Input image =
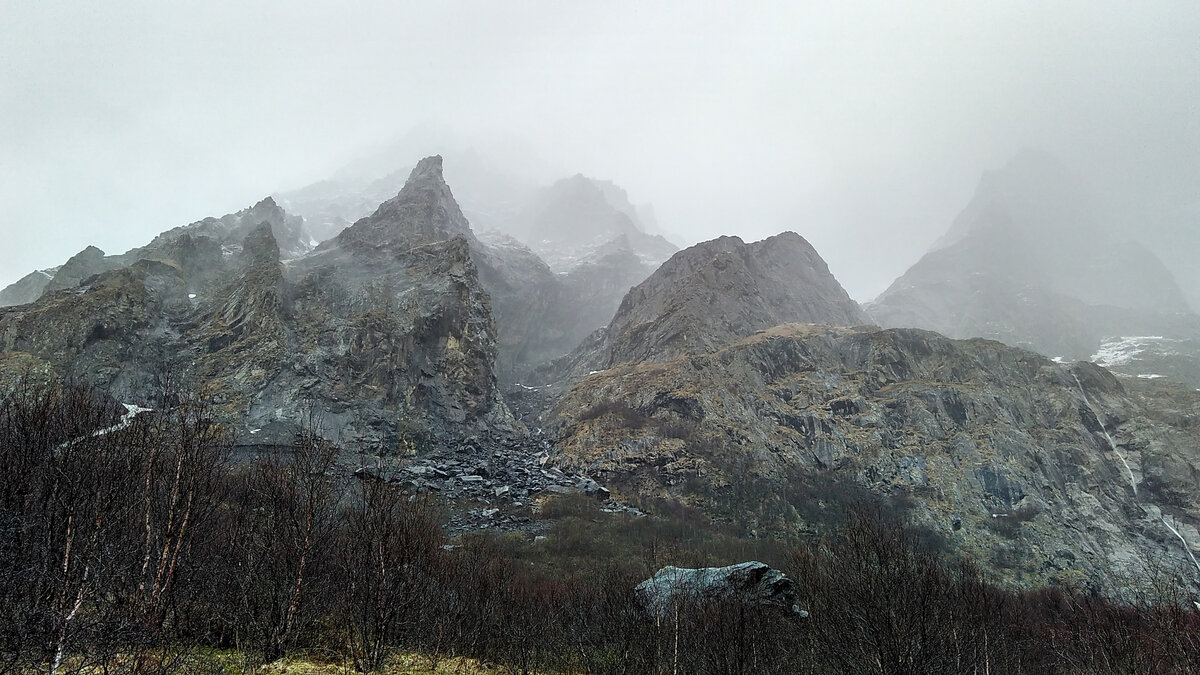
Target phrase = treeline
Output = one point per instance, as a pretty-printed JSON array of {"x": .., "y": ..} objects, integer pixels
[{"x": 147, "y": 548}]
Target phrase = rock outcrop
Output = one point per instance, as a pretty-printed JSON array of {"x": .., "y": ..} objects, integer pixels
[
  {"x": 1003, "y": 452},
  {"x": 753, "y": 583},
  {"x": 88, "y": 262},
  {"x": 724, "y": 289},
  {"x": 231, "y": 229},
  {"x": 26, "y": 289}
]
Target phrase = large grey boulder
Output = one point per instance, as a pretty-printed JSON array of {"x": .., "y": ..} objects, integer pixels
[{"x": 751, "y": 582}]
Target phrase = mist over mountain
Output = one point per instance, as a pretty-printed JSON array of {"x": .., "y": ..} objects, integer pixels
[
  {"x": 1034, "y": 261},
  {"x": 900, "y": 301}
]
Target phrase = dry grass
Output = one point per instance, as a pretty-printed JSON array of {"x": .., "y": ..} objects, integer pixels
[
  {"x": 233, "y": 663},
  {"x": 402, "y": 664}
]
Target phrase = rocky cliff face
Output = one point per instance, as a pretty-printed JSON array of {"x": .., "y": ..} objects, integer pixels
[
  {"x": 424, "y": 211},
  {"x": 385, "y": 332},
  {"x": 78, "y": 267},
  {"x": 1032, "y": 263},
  {"x": 724, "y": 289},
  {"x": 114, "y": 330},
  {"x": 539, "y": 315},
  {"x": 587, "y": 246},
  {"x": 1046, "y": 473}
]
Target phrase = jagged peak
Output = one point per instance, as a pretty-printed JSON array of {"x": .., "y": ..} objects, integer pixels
[
  {"x": 260, "y": 246},
  {"x": 424, "y": 211},
  {"x": 89, "y": 252},
  {"x": 265, "y": 209},
  {"x": 428, "y": 169}
]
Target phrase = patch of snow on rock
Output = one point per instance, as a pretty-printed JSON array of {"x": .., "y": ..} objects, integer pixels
[{"x": 1119, "y": 351}]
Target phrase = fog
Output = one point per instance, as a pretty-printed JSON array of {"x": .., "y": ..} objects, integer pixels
[{"x": 864, "y": 126}]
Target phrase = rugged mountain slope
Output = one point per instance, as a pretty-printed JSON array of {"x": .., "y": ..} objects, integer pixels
[
  {"x": 26, "y": 289},
  {"x": 519, "y": 284},
  {"x": 1003, "y": 452},
  {"x": 78, "y": 267},
  {"x": 1032, "y": 262},
  {"x": 724, "y": 289},
  {"x": 385, "y": 332},
  {"x": 588, "y": 231},
  {"x": 231, "y": 229},
  {"x": 539, "y": 314},
  {"x": 200, "y": 246}
]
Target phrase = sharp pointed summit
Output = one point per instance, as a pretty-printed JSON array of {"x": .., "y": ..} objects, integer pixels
[{"x": 424, "y": 211}]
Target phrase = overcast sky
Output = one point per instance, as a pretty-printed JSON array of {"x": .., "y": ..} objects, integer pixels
[{"x": 862, "y": 126}]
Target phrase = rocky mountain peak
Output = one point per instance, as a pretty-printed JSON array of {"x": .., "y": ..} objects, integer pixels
[
  {"x": 424, "y": 211},
  {"x": 723, "y": 289},
  {"x": 78, "y": 267},
  {"x": 575, "y": 210},
  {"x": 260, "y": 247},
  {"x": 265, "y": 209},
  {"x": 1038, "y": 196},
  {"x": 1033, "y": 261}
]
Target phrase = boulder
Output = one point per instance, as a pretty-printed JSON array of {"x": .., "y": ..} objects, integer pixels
[{"x": 753, "y": 583}]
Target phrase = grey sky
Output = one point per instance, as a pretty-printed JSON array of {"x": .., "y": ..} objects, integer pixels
[{"x": 863, "y": 126}]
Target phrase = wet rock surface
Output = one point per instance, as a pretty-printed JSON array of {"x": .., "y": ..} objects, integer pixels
[
  {"x": 752, "y": 583},
  {"x": 1045, "y": 472}
]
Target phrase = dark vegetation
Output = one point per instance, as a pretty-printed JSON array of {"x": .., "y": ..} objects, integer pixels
[{"x": 146, "y": 548}]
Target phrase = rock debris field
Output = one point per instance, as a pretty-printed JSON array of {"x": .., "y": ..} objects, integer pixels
[{"x": 498, "y": 490}]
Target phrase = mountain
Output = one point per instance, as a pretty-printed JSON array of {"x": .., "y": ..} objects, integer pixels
[
  {"x": 1033, "y": 263},
  {"x": 1046, "y": 473},
  {"x": 724, "y": 289},
  {"x": 737, "y": 381},
  {"x": 578, "y": 218},
  {"x": 570, "y": 222},
  {"x": 198, "y": 245},
  {"x": 384, "y": 332},
  {"x": 595, "y": 249},
  {"x": 28, "y": 288},
  {"x": 489, "y": 196}
]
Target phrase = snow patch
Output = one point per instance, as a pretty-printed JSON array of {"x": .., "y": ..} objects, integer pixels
[
  {"x": 131, "y": 411},
  {"x": 191, "y": 296},
  {"x": 1150, "y": 376},
  {"x": 1122, "y": 350}
]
